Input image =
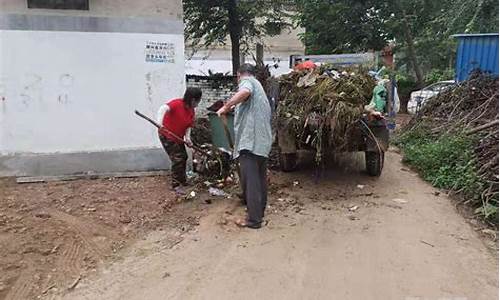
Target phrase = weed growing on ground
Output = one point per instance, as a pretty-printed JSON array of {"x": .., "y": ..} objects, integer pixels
[{"x": 448, "y": 162}]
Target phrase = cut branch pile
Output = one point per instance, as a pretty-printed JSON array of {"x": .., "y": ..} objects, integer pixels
[
  {"x": 470, "y": 109},
  {"x": 200, "y": 134},
  {"x": 320, "y": 106}
]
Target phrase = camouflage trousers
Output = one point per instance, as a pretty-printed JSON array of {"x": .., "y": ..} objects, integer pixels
[{"x": 178, "y": 156}]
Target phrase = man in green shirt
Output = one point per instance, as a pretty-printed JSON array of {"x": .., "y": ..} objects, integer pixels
[{"x": 253, "y": 139}]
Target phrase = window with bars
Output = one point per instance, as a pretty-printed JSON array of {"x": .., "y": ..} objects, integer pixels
[{"x": 59, "y": 4}]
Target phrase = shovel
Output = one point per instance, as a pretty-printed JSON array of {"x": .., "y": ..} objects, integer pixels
[{"x": 193, "y": 146}]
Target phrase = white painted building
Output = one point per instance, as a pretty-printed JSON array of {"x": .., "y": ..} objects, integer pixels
[
  {"x": 277, "y": 51},
  {"x": 70, "y": 80}
]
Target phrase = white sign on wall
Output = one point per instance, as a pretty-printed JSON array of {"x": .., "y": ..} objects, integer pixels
[{"x": 160, "y": 52}]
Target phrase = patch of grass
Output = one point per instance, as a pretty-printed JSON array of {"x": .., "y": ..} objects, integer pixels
[{"x": 448, "y": 162}]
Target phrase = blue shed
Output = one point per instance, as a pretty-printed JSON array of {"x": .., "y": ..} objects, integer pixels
[{"x": 476, "y": 51}]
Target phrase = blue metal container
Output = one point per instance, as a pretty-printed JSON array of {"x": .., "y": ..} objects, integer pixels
[{"x": 476, "y": 51}]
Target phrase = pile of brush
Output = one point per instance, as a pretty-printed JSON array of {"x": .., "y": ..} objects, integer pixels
[
  {"x": 470, "y": 109},
  {"x": 200, "y": 134},
  {"x": 327, "y": 101},
  {"x": 215, "y": 163}
]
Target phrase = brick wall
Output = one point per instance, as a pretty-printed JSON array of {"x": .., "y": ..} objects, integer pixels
[{"x": 213, "y": 87}]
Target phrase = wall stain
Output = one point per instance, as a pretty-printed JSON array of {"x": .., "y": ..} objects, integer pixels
[
  {"x": 65, "y": 83},
  {"x": 31, "y": 90}
]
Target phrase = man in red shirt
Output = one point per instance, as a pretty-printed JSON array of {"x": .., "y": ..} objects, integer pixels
[{"x": 177, "y": 116}]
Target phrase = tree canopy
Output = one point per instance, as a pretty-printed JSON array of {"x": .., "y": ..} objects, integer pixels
[
  {"x": 210, "y": 22},
  {"x": 421, "y": 29}
]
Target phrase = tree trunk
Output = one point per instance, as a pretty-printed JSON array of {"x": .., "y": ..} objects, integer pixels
[
  {"x": 234, "y": 34},
  {"x": 259, "y": 54},
  {"x": 411, "y": 50}
]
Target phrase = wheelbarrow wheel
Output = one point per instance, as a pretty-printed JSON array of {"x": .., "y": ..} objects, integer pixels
[
  {"x": 374, "y": 162},
  {"x": 288, "y": 161}
]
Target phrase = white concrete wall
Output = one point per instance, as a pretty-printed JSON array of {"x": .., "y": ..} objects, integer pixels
[{"x": 77, "y": 91}]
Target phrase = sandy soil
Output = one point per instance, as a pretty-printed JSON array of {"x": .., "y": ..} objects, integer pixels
[{"x": 52, "y": 234}]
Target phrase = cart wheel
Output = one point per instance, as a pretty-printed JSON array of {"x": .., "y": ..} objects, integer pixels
[
  {"x": 374, "y": 163},
  {"x": 288, "y": 161}
]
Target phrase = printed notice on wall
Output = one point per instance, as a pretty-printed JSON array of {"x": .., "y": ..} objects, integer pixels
[{"x": 160, "y": 52}]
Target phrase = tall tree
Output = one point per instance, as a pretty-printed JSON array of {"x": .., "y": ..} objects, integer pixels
[
  {"x": 340, "y": 26},
  {"x": 210, "y": 22},
  {"x": 431, "y": 25}
]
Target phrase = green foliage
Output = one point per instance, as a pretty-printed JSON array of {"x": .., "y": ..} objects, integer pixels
[
  {"x": 337, "y": 26},
  {"x": 436, "y": 75},
  {"x": 340, "y": 26},
  {"x": 448, "y": 162},
  {"x": 470, "y": 16},
  {"x": 210, "y": 22},
  {"x": 432, "y": 24}
]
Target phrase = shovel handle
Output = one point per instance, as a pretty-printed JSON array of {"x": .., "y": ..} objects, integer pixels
[{"x": 194, "y": 147}]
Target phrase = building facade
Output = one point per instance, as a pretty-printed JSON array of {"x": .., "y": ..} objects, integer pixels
[
  {"x": 277, "y": 52},
  {"x": 71, "y": 75}
]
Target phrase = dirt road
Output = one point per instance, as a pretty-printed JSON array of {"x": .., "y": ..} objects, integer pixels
[{"x": 350, "y": 237}]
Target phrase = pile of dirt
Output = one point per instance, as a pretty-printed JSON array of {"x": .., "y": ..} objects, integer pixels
[
  {"x": 331, "y": 101},
  {"x": 53, "y": 233},
  {"x": 469, "y": 109}
]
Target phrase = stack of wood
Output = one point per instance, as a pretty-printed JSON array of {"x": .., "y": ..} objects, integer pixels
[{"x": 471, "y": 109}]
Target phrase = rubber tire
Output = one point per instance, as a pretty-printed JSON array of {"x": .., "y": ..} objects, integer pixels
[
  {"x": 374, "y": 163},
  {"x": 288, "y": 162}
]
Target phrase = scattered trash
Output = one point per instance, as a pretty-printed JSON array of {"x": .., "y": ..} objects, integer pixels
[
  {"x": 490, "y": 232},
  {"x": 207, "y": 183},
  {"x": 353, "y": 208},
  {"x": 192, "y": 194},
  {"x": 125, "y": 219},
  {"x": 42, "y": 215},
  {"x": 398, "y": 200},
  {"x": 45, "y": 291},
  {"x": 363, "y": 195},
  {"x": 360, "y": 186},
  {"x": 75, "y": 283},
  {"x": 179, "y": 191},
  {"x": 424, "y": 242},
  {"x": 217, "y": 192},
  {"x": 54, "y": 250},
  {"x": 223, "y": 221},
  {"x": 281, "y": 199},
  {"x": 295, "y": 183},
  {"x": 229, "y": 180}
]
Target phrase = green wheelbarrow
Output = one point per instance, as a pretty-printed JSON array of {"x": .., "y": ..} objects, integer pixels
[{"x": 222, "y": 130}]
